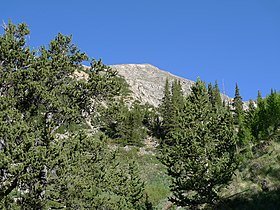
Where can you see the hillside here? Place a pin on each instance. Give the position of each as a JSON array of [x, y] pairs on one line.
[[147, 82], [72, 138]]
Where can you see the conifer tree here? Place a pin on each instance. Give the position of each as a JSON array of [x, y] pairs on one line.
[[251, 111], [211, 93], [177, 103], [134, 131], [273, 112], [177, 95], [85, 183], [244, 134], [124, 124], [165, 109], [203, 156], [266, 116], [237, 105], [40, 96], [217, 94]]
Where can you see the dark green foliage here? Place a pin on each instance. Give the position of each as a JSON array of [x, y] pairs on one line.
[[248, 201], [202, 157], [41, 169], [211, 93], [250, 113], [215, 95], [133, 132], [266, 117], [151, 120], [237, 105], [245, 138], [241, 119], [176, 96], [273, 112], [41, 92], [93, 178], [124, 124], [171, 105], [165, 109], [113, 118]]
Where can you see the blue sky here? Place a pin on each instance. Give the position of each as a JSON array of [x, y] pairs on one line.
[[225, 40]]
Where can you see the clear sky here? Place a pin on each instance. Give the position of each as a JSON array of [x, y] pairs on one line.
[[225, 40]]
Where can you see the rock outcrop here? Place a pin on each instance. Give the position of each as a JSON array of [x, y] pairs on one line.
[[147, 82]]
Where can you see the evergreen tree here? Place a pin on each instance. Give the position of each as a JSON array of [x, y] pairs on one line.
[[237, 105], [114, 118], [250, 116], [177, 103], [134, 131], [177, 98], [266, 116], [151, 120], [250, 112], [273, 112], [123, 124], [211, 93], [203, 156], [85, 182], [40, 96], [244, 134], [165, 109], [215, 95]]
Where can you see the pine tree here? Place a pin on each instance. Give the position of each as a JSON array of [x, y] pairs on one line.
[[177, 103], [124, 124], [203, 156], [237, 105], [266, 116], [134, 131], [40, 97], [165, 109], [273, 112], [244, 133], [85, 182], [177, 98], [217, 95], [211, 93]]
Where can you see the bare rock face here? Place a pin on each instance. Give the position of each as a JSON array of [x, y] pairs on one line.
[[147, 82]]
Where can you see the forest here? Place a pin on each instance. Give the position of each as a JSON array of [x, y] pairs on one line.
[[70, 142]]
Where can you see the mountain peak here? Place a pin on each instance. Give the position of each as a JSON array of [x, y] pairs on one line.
[[147, 81]]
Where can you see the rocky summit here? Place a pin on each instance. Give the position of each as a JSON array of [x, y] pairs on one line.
[[147, 82]]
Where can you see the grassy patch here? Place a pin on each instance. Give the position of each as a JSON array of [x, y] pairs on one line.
[[256, 184], [152, 172]]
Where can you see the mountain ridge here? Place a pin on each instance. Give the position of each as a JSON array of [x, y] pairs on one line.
[[147, 82]]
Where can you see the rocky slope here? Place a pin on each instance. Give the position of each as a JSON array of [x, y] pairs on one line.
[[147, 82]]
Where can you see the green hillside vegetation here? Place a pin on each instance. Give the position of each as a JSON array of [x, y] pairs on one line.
[[72, 142]]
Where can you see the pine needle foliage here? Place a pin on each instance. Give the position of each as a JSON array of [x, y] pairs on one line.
[[39, 95], [203, 155]]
